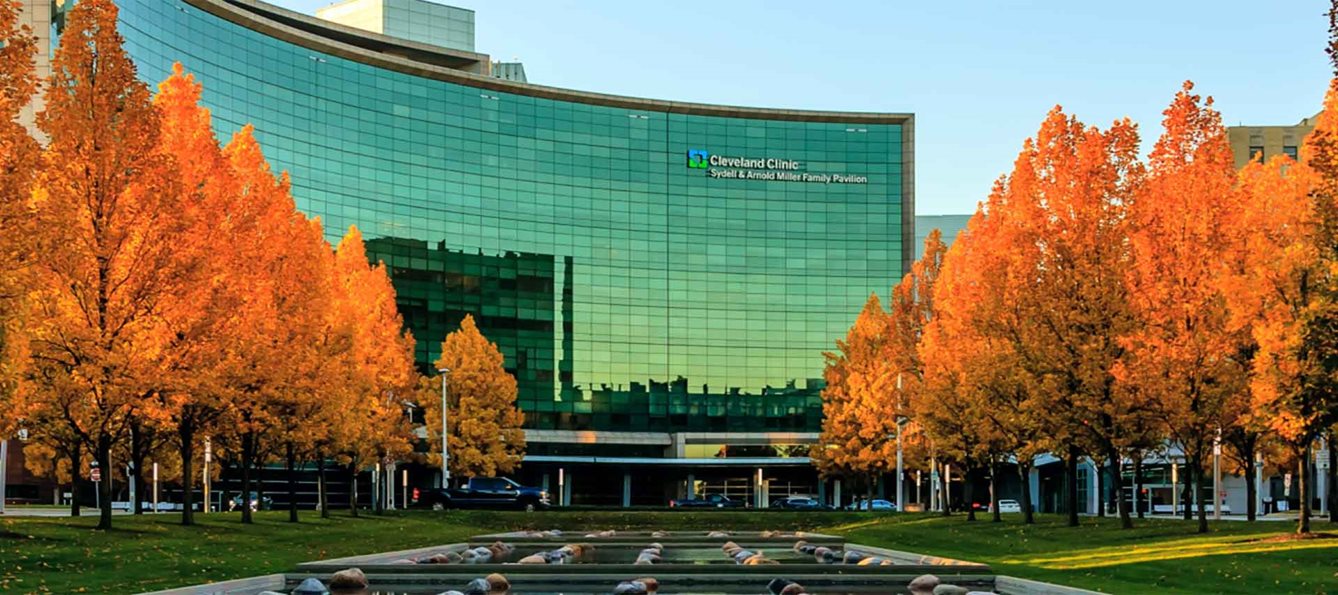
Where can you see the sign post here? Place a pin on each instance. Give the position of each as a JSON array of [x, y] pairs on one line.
[[95, 474]]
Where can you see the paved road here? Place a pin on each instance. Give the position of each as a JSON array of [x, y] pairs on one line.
[[28, 511]]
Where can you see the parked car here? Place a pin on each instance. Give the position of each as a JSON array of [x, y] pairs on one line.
[[707, 501], [1010, 506], [485, 492], [797, 503], [256, 502], [876, 505]]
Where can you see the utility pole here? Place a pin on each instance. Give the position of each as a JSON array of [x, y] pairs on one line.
[[4, 472], [1217, 475], [445, 454]]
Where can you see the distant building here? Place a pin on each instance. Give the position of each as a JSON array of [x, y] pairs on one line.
[[949, 225], [1263, 142], [509, 71], [414, 20], [421, 21]]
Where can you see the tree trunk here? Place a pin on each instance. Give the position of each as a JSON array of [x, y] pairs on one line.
[[1251, 490], [248, 454], [994, 490], [1138, 484], [1187, 495], [1101, 484], [138, 452], [969, 492], [1303, 491], [1198, 497], [76, 476], [321, 499], [291, 459], [353, 488], [186, 434], [104, 486], [1028, 514], [1117, 484], [1071, 485]]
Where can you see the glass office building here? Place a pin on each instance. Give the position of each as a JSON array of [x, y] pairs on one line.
[[662, 277]]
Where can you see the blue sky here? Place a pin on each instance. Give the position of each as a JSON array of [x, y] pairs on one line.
[[978, 75]]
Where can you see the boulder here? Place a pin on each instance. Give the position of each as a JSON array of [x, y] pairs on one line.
[[631, 588], [443, 558], [793, 589], [799, 545], [950, 590], [717, 534], [758, 560], [478, 586], [923, 584], [533, 559], [311, 586], [652, 585], [498, 583], [451, 592], [659, 534], [852, 557], [348, 579]]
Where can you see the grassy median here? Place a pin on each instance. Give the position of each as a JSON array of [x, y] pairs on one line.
[[63, 555]]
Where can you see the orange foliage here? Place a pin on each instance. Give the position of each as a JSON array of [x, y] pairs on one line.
[[485, 436]]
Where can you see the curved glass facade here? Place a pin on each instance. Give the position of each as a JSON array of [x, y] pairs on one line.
[[641, 269]]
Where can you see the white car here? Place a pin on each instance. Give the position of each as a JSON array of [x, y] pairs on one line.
[[1010, 506], [874, 505]]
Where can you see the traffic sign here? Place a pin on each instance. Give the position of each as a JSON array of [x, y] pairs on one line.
[[95, 474]]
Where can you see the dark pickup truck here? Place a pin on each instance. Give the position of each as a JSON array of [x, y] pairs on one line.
[[486, 492], [708, 501]]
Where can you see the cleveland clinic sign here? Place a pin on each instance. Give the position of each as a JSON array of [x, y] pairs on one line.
[[765, 169]]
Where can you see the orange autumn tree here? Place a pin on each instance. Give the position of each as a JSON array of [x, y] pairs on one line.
[[19, 155], [201, 319], [912, 308], [859, 379], [484, 425], [382, 377], [951, 405], [1288, 292], [282, 333], [108, 224], [975, 319], [1183, 352], [1061, 217]]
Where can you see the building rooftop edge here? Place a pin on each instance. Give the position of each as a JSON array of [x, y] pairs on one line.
[[269, 19]]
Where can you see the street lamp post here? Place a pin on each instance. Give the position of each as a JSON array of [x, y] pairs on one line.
[[208, 457], [445, 471], [901, 488]]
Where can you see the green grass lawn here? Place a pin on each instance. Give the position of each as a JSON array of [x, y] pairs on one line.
[[62, 555]]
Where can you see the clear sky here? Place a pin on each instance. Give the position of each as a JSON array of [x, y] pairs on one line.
[[979, 75]]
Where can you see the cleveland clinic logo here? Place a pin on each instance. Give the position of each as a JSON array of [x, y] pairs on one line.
[[698, 159]]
